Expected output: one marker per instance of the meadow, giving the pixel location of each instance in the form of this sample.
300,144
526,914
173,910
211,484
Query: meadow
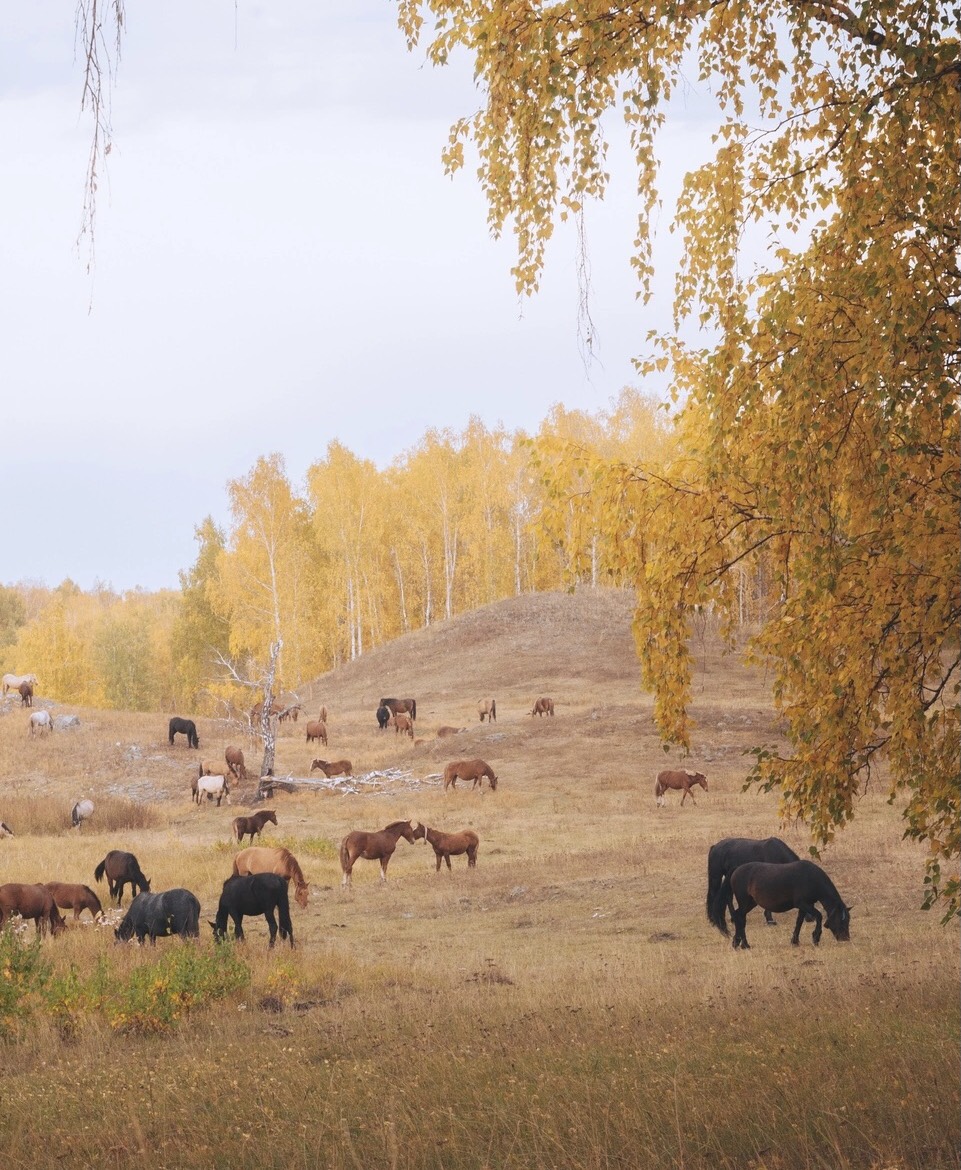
565,1004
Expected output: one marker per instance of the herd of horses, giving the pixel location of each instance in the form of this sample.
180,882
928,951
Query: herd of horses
743,873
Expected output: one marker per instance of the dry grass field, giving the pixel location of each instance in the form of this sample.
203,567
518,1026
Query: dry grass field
565,1004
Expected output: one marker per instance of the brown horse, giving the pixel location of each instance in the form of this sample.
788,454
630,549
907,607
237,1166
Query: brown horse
474,770
316,729
443,732
121,868
447,844
404,724
34,902
678,778
75,897
374,847
253,824
273,859
487,709
400,706
26,694
337,768
234,759
543,706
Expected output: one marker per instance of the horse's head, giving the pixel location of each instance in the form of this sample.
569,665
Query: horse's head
838,922
58,924
220,932
419,833
409,831
493,782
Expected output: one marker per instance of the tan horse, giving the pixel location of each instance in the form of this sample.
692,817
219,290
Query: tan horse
377,846
543,706
487,709
234,759
403,724
680,779
473,770
447,844
273,859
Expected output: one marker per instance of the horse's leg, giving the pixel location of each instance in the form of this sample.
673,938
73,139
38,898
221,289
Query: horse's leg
238,927
769,919
447,859
272,927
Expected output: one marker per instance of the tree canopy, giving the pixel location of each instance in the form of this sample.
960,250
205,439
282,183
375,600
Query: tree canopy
820,429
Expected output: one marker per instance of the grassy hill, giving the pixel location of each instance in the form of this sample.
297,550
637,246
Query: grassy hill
564,1004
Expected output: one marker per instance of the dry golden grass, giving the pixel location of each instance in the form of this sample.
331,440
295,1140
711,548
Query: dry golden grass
566,1004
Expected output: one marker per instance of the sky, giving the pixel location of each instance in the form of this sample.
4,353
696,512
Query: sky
279,261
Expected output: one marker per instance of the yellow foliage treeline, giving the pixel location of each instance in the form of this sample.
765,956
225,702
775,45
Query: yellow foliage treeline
353,558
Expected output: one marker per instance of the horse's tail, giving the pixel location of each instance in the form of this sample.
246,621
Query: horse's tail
344,856
717,901
493,713
658,789
413,708
100,870
283,913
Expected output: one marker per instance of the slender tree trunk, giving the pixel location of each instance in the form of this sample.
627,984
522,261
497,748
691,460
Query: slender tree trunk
267,725
399,573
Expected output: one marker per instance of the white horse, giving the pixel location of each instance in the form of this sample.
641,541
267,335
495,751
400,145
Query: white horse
40,721
213,786
11,682
82,811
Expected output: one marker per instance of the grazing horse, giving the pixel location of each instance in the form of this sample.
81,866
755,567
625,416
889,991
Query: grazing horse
444,732
212,786
373,847
75,897
543,706
317,730
335,768
474,770
401,706
234,758
724,857
487,709
159,915
792,885
34,902
40,722
120,869
680,778
26,694
13,682
187,727
255,893
276,860
253,824
404,724
81,811
383,717
446,844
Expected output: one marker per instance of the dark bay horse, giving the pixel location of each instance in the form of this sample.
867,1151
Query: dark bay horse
681,779
724,857
793,885
277,860
447,844
34,902
120,869
255,893
374,847
253,824
400,706
75,897
187,727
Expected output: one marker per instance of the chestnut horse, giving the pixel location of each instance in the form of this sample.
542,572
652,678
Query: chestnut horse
273,859
678,778
465,770
337,768
234,759
793,885
75,897
374,847
26,694
543,706
447,844
34,902
253,824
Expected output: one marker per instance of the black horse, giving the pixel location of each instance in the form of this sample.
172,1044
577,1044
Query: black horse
724,858
158,915
120,869
383,716
255,893
793,885
185,727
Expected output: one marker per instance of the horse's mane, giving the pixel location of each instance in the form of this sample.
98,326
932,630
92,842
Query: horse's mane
292,864
395,825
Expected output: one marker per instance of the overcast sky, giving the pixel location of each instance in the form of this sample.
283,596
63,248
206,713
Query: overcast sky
280,261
